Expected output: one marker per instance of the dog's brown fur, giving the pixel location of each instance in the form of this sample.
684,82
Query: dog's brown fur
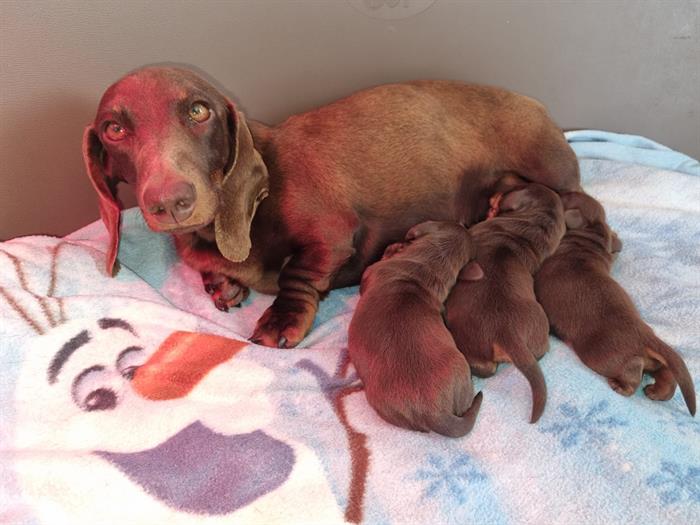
497,319
591,313
413,374
305,206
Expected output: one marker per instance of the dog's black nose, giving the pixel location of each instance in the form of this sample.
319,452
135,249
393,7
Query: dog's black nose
171,204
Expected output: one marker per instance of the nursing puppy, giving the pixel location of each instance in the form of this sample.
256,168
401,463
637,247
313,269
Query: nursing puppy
497,319
413,374
591,312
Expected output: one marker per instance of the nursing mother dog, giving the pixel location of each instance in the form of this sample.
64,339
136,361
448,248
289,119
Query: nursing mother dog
303,207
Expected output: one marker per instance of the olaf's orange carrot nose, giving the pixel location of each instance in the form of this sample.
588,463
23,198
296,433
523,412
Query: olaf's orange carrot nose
180,362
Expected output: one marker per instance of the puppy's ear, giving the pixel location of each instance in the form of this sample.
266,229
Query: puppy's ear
244,185
515,200
419,230
574,219
95,159
471,272
392,250
615,243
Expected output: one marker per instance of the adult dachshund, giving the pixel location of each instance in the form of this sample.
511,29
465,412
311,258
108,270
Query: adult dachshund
303,207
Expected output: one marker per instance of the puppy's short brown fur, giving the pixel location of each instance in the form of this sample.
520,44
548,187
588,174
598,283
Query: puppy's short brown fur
589,311
414,376
497,319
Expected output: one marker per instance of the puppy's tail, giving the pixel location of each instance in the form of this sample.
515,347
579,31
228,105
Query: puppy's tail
451,425
523,359
664,354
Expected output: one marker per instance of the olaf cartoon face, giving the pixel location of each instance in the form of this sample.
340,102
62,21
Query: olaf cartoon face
135,418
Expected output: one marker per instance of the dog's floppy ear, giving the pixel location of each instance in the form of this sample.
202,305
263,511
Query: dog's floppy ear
243,187
94,157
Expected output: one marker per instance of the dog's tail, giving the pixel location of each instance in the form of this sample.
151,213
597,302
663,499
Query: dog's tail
523,359
664,354
451,425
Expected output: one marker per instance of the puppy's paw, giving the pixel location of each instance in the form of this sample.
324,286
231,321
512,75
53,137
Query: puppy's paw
663,387
225,292
483,368
284,324
628,377
624,389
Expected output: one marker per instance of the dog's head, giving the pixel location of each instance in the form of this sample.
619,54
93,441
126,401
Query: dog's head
188,152
585,216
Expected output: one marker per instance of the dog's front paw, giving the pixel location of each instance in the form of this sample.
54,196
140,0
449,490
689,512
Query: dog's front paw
284,324
225,292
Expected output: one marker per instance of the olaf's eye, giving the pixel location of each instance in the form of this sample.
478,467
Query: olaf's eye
129,360
96,389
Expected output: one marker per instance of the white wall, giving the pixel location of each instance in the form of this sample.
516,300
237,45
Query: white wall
629,66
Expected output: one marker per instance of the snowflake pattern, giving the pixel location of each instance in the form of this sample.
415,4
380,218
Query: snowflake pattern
676,483
451,477
590,427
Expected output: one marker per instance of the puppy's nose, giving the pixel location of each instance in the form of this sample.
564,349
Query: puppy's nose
170,204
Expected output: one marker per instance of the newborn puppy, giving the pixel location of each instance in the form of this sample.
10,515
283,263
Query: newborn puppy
497,319
413,374
591,313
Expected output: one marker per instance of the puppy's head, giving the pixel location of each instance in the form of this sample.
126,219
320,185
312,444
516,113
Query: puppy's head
434,240
186,149
585,216
527,197
437,230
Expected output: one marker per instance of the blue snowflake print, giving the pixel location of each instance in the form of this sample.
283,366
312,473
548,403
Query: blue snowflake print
452,478
589,427
676,483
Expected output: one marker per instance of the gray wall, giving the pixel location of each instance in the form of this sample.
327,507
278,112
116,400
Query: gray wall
629,66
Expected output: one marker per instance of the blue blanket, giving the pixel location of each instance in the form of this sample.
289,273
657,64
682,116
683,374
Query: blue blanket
258,435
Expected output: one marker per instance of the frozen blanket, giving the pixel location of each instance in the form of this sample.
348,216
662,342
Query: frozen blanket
220,430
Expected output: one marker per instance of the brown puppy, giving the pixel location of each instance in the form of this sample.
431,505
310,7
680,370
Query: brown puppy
497,319
305,206
592,314
414,376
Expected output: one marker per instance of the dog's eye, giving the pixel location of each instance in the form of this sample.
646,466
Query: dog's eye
199,112
114,131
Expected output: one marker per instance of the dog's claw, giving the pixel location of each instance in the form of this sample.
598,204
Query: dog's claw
225,292
221,305
285,325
